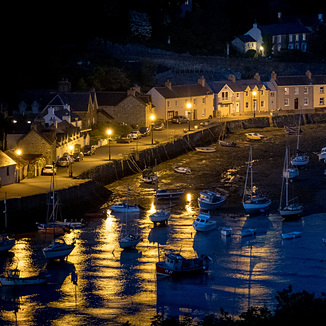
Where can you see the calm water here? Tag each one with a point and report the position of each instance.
(115, 286)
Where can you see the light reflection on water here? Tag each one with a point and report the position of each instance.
(115, 286)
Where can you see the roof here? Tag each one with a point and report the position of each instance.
(5, 160)
(239, 86)
(246, 38)
(285, 28)
(301, 80)
(110, 98)
(78, 101)
(183, 91)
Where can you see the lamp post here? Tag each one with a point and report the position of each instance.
(152, 118)
(254, 93)
(109, 132)
(188, 105)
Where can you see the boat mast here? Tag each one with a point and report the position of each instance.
(298, 136)
(251, 174)
(5, 211)
(248, 167)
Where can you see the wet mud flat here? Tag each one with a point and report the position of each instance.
(225, 169)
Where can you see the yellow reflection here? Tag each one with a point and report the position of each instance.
(188, 207)
(188, 197)
(152, 209)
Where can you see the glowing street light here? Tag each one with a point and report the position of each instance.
(189, 106)
(19, 152)
(254, 93)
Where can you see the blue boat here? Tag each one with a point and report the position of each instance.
(210, 200)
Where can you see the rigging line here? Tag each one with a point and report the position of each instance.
(131, 167)
(133, 161)
(166, 152)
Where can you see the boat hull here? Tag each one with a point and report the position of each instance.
(7, 245)
(300, 161)
(12, 281)
(293, 212)
(59, 253)
(125, 208)
(291, 235)
(159, 216)
(206, 149)
(128, 242)
(200, 227)
(252, 207)
(162, 269)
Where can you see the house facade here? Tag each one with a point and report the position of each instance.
(7, 170)
(294, 92)
(244, 43)
(242, 96)
(194, 101)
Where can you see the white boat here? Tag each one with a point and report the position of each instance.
(129, 241)
(291, 235)
(226, 231)
(254, 202)
(300, 158)
(291, 208)
(13, 278)
(248, 232)
(203, 223)
(160, 216)
(124, 208)
(210, 200)
(181, 169)
(227, 144)
(254, 136)
(168, 194)
(207, 149)
(58, 249)
(291, 172)
(149, 176)
(322, 155)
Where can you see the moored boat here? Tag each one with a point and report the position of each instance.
(58, 249)
(124, 208)
(291, 235)
(254, 136)
(181, 169)
(177, 265)
(149, 176)
(248, 232)
(210, 200)
(129, 241)
(168, 194)
(227, 144)
(13, 278)
(203, 223)
(207, 149)
(6, 243)
(160, 216)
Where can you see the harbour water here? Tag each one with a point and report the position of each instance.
(114, 286)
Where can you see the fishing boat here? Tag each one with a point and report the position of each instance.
(208, 149)
(227, 144)
(322, 155)
(181, 169)
(125, 207)
(300, 159)
(13, 278)
(254, 136)
(254, 202)
(248, 232)
(176, 265)
(226, 232)
(160, 216)
(210, 200)
(203, 223)
(168, 194)
(291, 208)
(291, 235)
(6, 243)
(58, 249)
(291, 172)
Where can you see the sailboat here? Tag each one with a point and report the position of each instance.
(254, 202)
(58, 249)
(301, 159)
(292, 208)
(161, 215)
(128, 239)
(125, 207)
(6, 243)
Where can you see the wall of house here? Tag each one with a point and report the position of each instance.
(8, 175)
(159, 104)
(319, 96)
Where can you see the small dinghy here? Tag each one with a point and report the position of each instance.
(13, 278)
(248, 232)
(226, 231)
(208, 149)
(291, 235)
(181, 169)
(203, 223)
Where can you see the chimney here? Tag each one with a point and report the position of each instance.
(257, 76)
(131, 91)
(64, 86)
(232, 78)
(168, 84)
(273, 75)
(51, 110)
(308, 74)
(201, 81)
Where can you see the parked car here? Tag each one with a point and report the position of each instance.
(144, 131)
(124, 139)
(89, 150)
(48, 169)
(79, 156)
(63, 161)
(135, 134)
(158, 125)
(180, 119)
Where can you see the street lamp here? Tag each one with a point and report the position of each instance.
(18, 152)
(152, 118)
(188, 105)
(109, 132)
(254, 93)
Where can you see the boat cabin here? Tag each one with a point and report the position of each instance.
(13, 273)
(177, 262)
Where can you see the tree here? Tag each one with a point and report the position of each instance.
(110, 78)
(140, 26)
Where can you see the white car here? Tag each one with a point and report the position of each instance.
(63, 161)
(48, 169)
(135, 134)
